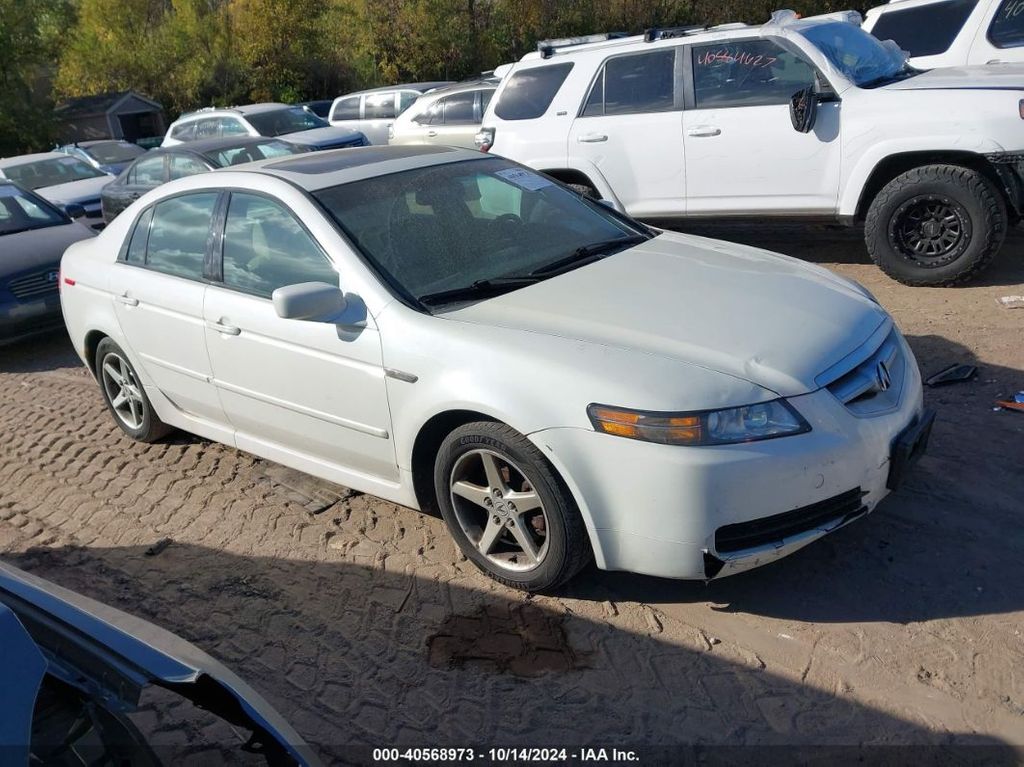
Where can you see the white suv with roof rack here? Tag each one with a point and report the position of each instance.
(951, 33)
(799, 118)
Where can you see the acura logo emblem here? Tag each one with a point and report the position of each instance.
(884, 380)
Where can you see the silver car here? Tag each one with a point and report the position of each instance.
(449, 116)
(373, 111)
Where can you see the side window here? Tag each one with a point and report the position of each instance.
(434, 114)
(148, 172)
(458, 109)
(634, 85)
(747, 73)
(229, 126)
(406, 99)
(266, 248)
(136, 253)
(183, 165)
(1007, 30)
(184, 131)
(529, 92)
(178, 236)
(926, 30)
(485, 100)
(346, 109)
(379, 106)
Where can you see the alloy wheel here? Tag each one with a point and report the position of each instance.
(930, 230)
(499, 510)
(123, 391)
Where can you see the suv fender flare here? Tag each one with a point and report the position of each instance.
(587, 169)
(930, 150)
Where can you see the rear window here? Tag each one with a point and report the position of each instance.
(634, 84)
(927, 30)
(530, 92)
(1007, 30)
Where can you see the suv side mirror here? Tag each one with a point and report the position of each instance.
(74, 210)
(803, 109)
(311, 301)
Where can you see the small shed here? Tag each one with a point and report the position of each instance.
(124, 115)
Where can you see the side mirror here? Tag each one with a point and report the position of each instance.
(74, 210)
(803, 110)
(311, 301)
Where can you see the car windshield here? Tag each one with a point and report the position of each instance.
(862, 58)
(286, 120)
(250, 152)
(471, 229)
(59, 170)
(20, 212)
(114, 151)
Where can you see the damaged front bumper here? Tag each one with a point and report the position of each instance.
(1009, 166)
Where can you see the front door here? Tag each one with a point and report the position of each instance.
(630, 129)
(295, 391)
(742, 153)
(158, 293)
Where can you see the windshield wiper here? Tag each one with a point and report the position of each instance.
(588, 253)
(479, 289)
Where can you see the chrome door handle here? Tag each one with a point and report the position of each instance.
(431, 133)
(224, 329)
(702, 131)
(128, 300)
(592, 138)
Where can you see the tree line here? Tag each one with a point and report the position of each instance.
(193, 53)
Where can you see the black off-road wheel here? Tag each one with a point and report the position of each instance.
(507, 509)
(937, 225)
(126, 399)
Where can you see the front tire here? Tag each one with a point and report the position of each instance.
(506, 508)
(124, 395)
(937, 225)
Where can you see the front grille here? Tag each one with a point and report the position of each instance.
(876, 384)
(761, 532)
(34, 285)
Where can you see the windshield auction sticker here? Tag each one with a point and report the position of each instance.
(526, 179)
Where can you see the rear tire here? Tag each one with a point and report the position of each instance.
(586, 190)
(507, 509)
(124, 395)
(937, 225)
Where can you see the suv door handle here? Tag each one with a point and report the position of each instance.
(431, 133)
(591, 138)
(702, 131)
(225, 329)
(124, 298)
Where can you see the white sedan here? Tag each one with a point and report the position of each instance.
(451, 331)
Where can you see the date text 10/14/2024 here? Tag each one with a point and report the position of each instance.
(505, 754)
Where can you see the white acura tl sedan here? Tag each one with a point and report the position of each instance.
(454, 332)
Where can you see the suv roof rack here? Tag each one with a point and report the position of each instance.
(667, 33)
(547, 48)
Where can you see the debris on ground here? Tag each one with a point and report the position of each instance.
(1017, 403)
(953, 374)
(157, 547)
(1011, 302)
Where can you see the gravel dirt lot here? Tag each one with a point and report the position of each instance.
(363, 625)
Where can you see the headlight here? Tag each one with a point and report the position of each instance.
(749, 423)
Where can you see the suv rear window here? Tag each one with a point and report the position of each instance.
(1007, 29)
(927, 30)
(530, 92)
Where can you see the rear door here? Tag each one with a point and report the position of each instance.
(453, 120)
(147, 173)
(158, 285)
(379, 111)
(293, 390)
(743, 155)
(630, 128)
(1000, 37)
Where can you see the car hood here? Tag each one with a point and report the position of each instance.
(39, 247)
(768, 319)
(75, 191)
(992, 76)
(316, 136)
